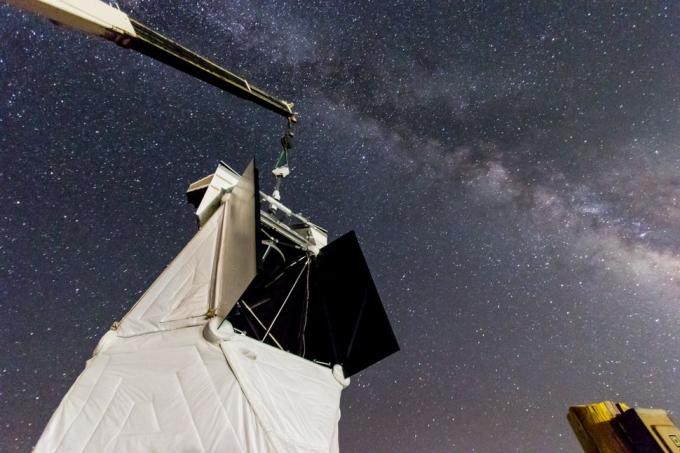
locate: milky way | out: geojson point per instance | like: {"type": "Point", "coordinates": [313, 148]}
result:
{"type": "Point", "coordinates": [511, 168]}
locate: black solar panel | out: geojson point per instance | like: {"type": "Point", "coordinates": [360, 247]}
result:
{"type": "Point", "coordinates": [347, 323]}
{"type": "Point", "coordinates": [326, 308]}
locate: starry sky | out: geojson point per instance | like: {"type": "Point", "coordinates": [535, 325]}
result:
{"type": "Point", "coordinates": [512, 170]}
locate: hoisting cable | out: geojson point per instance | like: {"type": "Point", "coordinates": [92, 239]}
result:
{"type": "Point", "coordinates": [281, 168]}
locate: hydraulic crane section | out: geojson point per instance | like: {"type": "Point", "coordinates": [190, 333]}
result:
{"type": "Point", "coordinates": [100, 19]}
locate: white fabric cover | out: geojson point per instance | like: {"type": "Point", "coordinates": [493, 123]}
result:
{"type": "Point", "coordinates": [161, 382]}
{"type": "Point", "coordinates": [296, 401]}
{"type": "Point", "coordinates": [211, 272]}
{"type": "Point", "coordinates": [180, 296]}
{"type": "Point", "coordinates": [175, 391]}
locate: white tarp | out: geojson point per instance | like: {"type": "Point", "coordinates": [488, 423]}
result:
{"type": "Point", "coordinates": [295, 401]}
{"type": "Point", "coordinates": [180, 296]}
{"type": "Point", "coordinates": [168, 380]}
{"type": "Point", "coordinates": [175, 391]}
{"type": "Point", "coordinates": [210, 273]}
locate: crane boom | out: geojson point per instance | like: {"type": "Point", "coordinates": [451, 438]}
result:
{"type": "Point", "coordinates": [100, 19]}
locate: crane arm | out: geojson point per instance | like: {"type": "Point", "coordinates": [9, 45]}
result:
{"type": "Point", "coordinates": [100, 19]}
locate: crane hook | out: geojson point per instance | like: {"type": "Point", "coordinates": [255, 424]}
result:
{"type": "Point", "coordinates": [281, 169]}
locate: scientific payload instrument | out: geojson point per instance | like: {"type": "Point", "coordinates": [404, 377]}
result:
{"type": "Point", "coordinates": [246, 340]}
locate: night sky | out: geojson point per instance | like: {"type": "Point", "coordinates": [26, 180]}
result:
{"type": "Point", "coordinates": [513, 174]}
